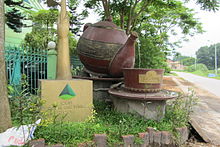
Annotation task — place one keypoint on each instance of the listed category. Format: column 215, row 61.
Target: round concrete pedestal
column 148, row 105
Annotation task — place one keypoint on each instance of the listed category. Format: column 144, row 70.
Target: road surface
column 205, row 118
column 209, row 84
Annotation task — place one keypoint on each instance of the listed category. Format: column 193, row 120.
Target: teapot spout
column 124, row 58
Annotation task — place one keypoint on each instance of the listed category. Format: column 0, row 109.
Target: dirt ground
column 169, row 84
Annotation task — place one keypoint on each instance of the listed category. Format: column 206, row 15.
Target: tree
column 43, row 29
column 152, row 20
column 5, row 115
column 153, row 30
column 184, row 60
column 13, row 14
column 15, row 17
column 206, row 55
column 188, row 61
column 63, row 58
column 211, row 5
column 128, row 11
column 76, row 17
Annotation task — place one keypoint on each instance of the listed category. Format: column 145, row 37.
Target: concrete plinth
column 148, row 105
column 69, row 98
column 149, row 109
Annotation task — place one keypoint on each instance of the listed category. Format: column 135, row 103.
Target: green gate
column 31, row 63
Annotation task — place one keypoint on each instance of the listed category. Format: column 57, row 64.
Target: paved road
column 209, row 84
column 205, row 118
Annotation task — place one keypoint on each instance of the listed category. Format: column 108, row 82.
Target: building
column 175, row 65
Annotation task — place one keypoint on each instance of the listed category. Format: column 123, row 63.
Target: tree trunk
column 63, row 66
column 122, row 20
column 105, row 4
column 5, row 114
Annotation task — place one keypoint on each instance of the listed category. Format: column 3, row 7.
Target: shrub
column 25, row 107
column 200, row 67
column 178, row 110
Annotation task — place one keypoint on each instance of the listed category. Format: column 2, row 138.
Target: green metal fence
column 25, row 62
column 75, row 62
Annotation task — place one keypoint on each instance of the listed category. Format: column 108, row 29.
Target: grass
column 201, row 73
column 25, row 109
column 205, row 74
column 114, row 124
column 105, row 120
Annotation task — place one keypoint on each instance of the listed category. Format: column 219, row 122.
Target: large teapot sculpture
column 104, row 49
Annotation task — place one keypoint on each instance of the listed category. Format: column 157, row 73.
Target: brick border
column 151, row 138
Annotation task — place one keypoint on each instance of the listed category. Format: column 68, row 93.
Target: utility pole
column 216, row 64
column 195, row 63
column 216, row 59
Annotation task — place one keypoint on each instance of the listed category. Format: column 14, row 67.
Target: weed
column 25, row 107
column 77, row 70
column 178, row 112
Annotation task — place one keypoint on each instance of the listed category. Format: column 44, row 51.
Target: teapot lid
column 108, row 24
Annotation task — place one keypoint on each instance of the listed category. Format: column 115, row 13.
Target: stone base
column 149, row 109
column 100, row 90
column 71, row 100
column 101, row 86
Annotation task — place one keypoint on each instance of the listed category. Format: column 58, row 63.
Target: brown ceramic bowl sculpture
column 143, row 80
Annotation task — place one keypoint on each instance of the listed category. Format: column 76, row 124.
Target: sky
column 211, row 24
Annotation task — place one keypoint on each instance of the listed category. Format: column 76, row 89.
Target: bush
column 200, row 67
column 25, row 107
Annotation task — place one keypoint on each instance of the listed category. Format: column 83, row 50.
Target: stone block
column 100, row 140
column 82, row 145
column 37, row 143
column 128, row 140
column 71, row 100
column 145, row 138
column 117, row 145
column 166, row 138
column 183, row 134
column 151, row 134
column 57, row 145
column 87, row 144
column 157, row 138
